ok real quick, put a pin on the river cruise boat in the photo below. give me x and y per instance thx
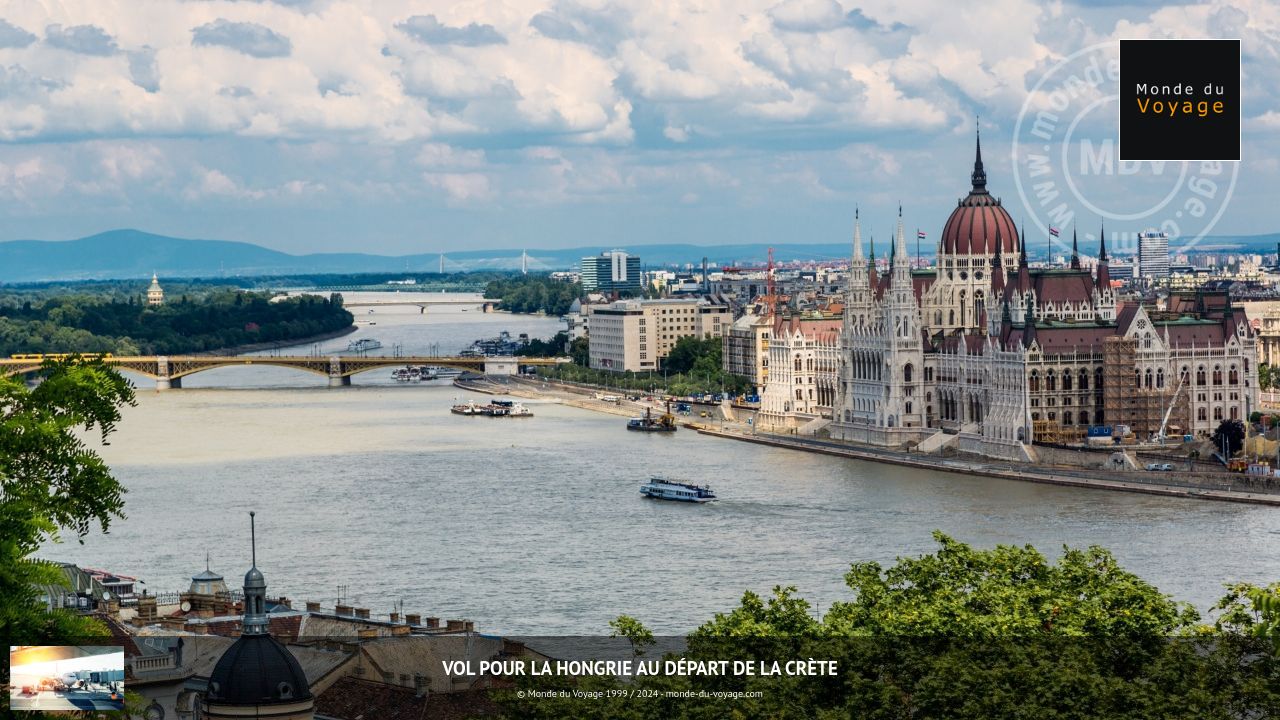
(648, 422)
(363, 345)
(663, 489)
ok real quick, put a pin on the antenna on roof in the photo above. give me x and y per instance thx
(253, 538)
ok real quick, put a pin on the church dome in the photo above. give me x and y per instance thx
(979, 220)
(257, 670)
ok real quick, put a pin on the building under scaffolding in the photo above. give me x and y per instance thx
(1131, 398)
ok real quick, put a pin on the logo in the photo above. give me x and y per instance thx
(1068, 169)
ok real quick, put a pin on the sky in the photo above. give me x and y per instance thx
(399, 127)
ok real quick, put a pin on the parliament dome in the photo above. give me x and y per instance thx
(979, 220)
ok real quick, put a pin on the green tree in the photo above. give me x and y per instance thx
(1230, 434)
(51, 482)
(580, 351)
(964, 633)
(634, 631)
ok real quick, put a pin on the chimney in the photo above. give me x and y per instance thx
(454, 625)
(468, 625)
(395, 617)
(362, 613)
(413, 619)
(343, 610)
(313, 607)
(433, 622)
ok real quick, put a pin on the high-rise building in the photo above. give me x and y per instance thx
(1153, 254)
(612, 272)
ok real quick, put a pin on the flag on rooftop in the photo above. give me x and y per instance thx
(1053, 231)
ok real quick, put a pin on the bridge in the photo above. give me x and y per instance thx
(168, 371)
(424, 303)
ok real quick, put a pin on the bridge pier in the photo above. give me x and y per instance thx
(339, 381)
(168, 383)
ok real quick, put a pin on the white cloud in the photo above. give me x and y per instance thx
(461, 188)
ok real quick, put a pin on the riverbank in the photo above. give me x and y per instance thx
(259, 347)
(1204, 486)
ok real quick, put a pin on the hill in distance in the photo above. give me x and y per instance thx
(124, 254)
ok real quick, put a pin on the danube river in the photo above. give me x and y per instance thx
(535, 526)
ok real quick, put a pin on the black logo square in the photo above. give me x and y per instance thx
(1180, 100)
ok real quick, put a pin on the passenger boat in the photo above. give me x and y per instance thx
(363, 345)
(665, 422)
(663, 489)
(508, 408)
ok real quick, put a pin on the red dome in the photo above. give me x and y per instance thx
(979, 219)
(982, 218)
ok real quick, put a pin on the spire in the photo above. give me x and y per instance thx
(997, 267)
(1075, 249)
(857, 237)
(255, 590)
(979, 175)
(1028, 327)
(1104, 267)
(900, 241)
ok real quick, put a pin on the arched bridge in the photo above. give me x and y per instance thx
(168, 371)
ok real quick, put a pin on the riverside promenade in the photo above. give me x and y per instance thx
(1050, 475)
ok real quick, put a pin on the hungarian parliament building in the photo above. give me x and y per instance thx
(998, 354)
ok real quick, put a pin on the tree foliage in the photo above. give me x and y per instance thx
(52, 482)
(1229, 434)
(966, 633)
(188, 323)
(534, 293)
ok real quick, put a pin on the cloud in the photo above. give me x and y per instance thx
(12, 36)
(426, 29)
(143, 69)
(83, 39)
(461, 188)
(249, 38)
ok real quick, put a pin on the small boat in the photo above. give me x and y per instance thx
(665, 422)
(508, 408)
(663, 489)
(363, 344)
(467, 408)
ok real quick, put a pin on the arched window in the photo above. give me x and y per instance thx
(1217, 413)
(1050, 382)
(1232, 376)
(1160, 378)
(1217, 374)
(799, 364)
(1035, 381)
(1066, 380)
(907, 372)
(951, 317)
(937, 317)
(1200, 375)
(1149, 375)
(1201, 415)
(1066, 418)
(1084, 379)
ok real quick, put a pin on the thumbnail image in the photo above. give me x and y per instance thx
(66, 677)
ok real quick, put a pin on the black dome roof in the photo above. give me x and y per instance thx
(257, 670)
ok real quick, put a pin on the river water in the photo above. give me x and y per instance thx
(535, 526)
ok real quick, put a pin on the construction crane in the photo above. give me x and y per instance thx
(1160, 436)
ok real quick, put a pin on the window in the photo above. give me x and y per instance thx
(907, 372)
(1217, 413)
(1232, 376)
(1200, 375)
(1066, 381)
(1217, 374)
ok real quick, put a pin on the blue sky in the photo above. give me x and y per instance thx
(398, 127)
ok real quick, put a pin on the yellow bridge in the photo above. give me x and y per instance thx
(168, 371)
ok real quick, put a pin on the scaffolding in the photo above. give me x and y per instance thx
(1128, 402)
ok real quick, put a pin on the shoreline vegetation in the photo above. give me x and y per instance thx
(198, 320)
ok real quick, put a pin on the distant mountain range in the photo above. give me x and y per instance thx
(123, 254)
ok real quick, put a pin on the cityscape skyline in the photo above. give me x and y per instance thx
(326, 125)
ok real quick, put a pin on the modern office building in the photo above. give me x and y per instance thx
(1153, 254)
(635, 335)
(612, 273)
